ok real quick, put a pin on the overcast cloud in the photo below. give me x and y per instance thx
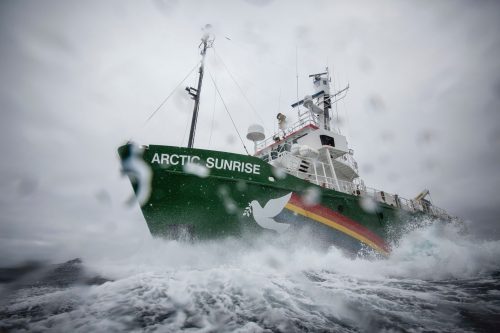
(79, 78)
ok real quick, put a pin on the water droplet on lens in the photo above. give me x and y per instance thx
(311, 196)
(426, 137)
(387, 136)
(241, 186)
(376, 104)
(139, 173)
(368, 204)
(103, 197)
(279, 173)
(367, 168)
(196, 169)
(27, 186)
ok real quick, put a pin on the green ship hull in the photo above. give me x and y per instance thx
(206, 194)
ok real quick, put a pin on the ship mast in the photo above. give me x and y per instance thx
(195, 93)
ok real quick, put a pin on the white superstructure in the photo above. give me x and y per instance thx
(311, 150)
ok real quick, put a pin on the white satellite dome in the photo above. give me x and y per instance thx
(256, 133)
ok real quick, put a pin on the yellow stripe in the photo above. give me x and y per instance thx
(335, 225)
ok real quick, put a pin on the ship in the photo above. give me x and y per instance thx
(302, 178)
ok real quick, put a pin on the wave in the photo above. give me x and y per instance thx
(434, 252)
(433, 280)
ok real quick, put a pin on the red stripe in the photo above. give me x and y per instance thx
(340, 219)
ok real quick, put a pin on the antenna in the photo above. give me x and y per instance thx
(325, 99)
(297, 77)
(319, 74)
(206, 43)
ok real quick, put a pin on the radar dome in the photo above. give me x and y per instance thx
(256, 133)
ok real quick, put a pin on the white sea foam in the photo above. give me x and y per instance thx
(279, 283)
(434, 252)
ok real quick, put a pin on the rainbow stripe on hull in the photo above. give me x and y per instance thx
(346, 232)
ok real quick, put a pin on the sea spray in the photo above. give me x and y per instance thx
(436, 279)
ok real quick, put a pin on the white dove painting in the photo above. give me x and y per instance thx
(264, 216)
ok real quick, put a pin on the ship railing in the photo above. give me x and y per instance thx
(437, 211)
(317, 174)
(348, 160)
(304, 120)
(403, 203)
(278, 151)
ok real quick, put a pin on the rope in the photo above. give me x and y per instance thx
(213, 112)
(185, 131)
(163, 103)
(213, 117)
(170, 95)
(297, 76)
(239, 87)
(227, 110)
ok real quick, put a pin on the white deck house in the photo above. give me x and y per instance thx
(309, 149)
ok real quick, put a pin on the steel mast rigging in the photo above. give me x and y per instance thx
(206, 43)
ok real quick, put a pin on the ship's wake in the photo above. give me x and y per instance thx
(436, 279)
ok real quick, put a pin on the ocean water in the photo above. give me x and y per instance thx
(437, 279)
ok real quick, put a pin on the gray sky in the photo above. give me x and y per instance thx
(80, 78)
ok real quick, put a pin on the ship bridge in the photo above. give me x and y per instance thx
(311, 150)
(311, 153)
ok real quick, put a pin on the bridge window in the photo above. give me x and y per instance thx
(327, 140)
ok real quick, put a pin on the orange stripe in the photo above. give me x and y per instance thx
(340, 219)
(335, 225)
